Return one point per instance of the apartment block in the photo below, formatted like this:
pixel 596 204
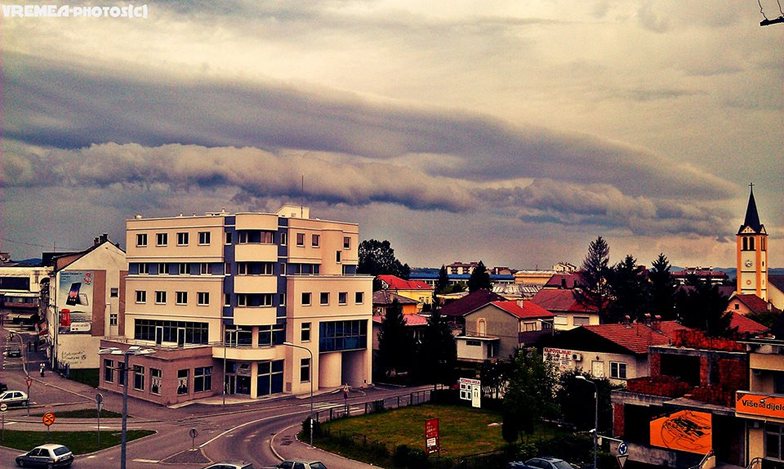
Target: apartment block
pixel 246 304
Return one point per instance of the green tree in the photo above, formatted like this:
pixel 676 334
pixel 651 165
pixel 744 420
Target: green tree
pixel 437 353
pixel 628 290
pixel 662 287
pixel 479 278
pixel 395 343
pixel 378 258
pixel 702 306
pixel 442 284
pixel 575 396
pixel 530 393
pixel 594 289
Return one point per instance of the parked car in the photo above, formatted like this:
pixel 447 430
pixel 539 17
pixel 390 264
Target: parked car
pixel 301 465
pixel 540 463
pixel 13 398
pixel 230 465
pixel 51 455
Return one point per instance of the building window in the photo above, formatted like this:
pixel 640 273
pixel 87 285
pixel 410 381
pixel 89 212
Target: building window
pixel 195 332
pixel 163 268
pixel 346 242
pixel 342 298
pixel 271 335
pixel 112 319
pixel 581 321
pixel 205 269
pixel 254 299
pixel 774 434
pixel 338 256
pixel 182 297
pixel 617 370
pixel 282 299
pixel 300 239
pixel 114 292
pixel 304 335
pixel 306 299
pixel 778 382
pixel 304 370
pixel 270 377
pixel 255 268
pixel 324 298
pixel 284 238
pixel 182 239
pixel 155 381
pixel 203 298
pixel 144 268
pixel 227 239
pixel 141 240
pixel 342 335
pixel 160 297
pixel 141 296
pixel 227 299
pixel 359 297
pixel 202 379
pixel 108 370
pixel 473 343
pixel 182 381
pixel 315 240
pixel 182 269
pixel 204 237
pixel 138 378
pixel 161 239
pixel 528 327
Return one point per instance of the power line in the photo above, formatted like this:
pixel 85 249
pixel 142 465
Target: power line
pixel 36 245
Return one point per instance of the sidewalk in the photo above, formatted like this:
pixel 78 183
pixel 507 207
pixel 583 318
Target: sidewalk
pixel 285 445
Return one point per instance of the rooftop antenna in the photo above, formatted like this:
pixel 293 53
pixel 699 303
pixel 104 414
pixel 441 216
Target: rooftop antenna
pixel 766 21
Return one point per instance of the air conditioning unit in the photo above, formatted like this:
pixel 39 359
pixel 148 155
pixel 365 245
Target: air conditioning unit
pixel 578 357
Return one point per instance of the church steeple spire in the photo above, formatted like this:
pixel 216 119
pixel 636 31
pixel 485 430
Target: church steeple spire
pixel 752 217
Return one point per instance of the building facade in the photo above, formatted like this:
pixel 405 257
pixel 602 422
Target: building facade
pixel 248 304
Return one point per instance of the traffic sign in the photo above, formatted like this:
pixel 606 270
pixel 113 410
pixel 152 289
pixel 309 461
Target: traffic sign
pixel 622 460
pixel 48 419
pixel 623 448
pixel 3 407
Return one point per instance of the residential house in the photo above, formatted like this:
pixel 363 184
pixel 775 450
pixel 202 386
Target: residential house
pixel 569 311
pixel 702 274
pixel 617 352
pixel 498 328
pixel 383 299
pixel 416 290
pixel 750 304
pixel 455 310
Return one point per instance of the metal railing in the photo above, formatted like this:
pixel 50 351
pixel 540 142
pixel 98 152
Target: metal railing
pixel 347 409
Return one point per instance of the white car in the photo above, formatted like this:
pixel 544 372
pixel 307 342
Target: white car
pixel 50 455
pixel 14 398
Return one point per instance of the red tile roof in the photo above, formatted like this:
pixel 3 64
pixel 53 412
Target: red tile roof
pixel 637 337
pixel 561 301
pixel 470 302
pixel 755 303
pixel 527 311
pixel 746 326
pixel 566 280
pixel 411 320
pixel 397 283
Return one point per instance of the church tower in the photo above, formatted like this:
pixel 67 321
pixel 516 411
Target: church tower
pixel 752 253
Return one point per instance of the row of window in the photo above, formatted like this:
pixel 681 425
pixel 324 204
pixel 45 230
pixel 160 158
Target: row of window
pixel 748 243
pixel 202 377
pixel 180 332
pixel 162 239
pixel 324 298
pixel 175 268
pixel 181 297
pixel 242 268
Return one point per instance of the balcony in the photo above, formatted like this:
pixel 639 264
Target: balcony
pixel 255 316
pixel 256 252
pixel 255 284
pixel 248 353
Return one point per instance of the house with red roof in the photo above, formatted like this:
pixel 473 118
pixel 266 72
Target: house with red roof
pixel 566 306
pixel 750 304
pixel 498 328
pixel 383 299
pixel 614 351
pixel 417 290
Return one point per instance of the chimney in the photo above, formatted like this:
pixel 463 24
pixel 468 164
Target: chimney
pixel 520 302
pixel 104 238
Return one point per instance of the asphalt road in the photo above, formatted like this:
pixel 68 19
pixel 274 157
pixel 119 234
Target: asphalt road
pixel 241 430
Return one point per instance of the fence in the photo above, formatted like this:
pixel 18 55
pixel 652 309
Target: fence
pixel 394 402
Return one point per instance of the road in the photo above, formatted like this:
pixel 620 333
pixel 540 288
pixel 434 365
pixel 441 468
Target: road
pixel 241 430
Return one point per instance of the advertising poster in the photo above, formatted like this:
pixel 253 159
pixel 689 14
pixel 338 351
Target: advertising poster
pixel 75 300
pixel 685 430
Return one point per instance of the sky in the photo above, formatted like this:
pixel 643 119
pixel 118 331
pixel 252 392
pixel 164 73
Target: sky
pixel 512 132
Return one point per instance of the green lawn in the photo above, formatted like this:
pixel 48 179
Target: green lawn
pixel 463 430
pixel 77 442
pixel 83 414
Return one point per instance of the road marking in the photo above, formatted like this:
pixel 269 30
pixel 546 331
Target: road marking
pixel 245 424
pixel 146 461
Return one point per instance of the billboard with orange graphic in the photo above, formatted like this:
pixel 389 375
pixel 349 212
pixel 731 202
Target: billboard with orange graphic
pixel 685 430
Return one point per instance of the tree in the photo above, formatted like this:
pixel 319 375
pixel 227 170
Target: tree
pixel 530 393
pixel 378 258
pixel 702 306
pixel 594 290
pixel 442 284
pixel 479 278
pixel 629 291
pixel 662 288
pixel 395 344
pixel 437 353
pixel 574 396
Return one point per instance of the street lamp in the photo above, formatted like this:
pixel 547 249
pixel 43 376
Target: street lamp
pixel 133 350
pixel 310 370
pixel 595 417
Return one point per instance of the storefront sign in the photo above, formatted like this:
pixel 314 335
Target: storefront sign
pixel 685 430
pixel 759 404
pixel 432 444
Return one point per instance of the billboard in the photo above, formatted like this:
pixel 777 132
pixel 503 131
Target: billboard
pixel 763 405
pixel 685 430
pixel 75 301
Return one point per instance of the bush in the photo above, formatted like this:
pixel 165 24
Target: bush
pixel 445 397
pixel 407 457
pixel 306 428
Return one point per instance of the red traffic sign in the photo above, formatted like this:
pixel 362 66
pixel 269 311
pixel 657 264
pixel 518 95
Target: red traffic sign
pixel 48 419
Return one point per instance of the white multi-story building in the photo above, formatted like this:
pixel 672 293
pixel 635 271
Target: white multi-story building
pixel 216 296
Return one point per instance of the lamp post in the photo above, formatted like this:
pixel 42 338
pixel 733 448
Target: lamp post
pixel 311 384
pixel 595 417
pixel 134 350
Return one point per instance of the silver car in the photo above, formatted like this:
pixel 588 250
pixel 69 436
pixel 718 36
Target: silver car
pixel 50 455
pixel 301 465
pixel 13 398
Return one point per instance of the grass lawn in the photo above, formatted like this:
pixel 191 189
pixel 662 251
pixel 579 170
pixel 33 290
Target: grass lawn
pixel 463 430
pixel 77 442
